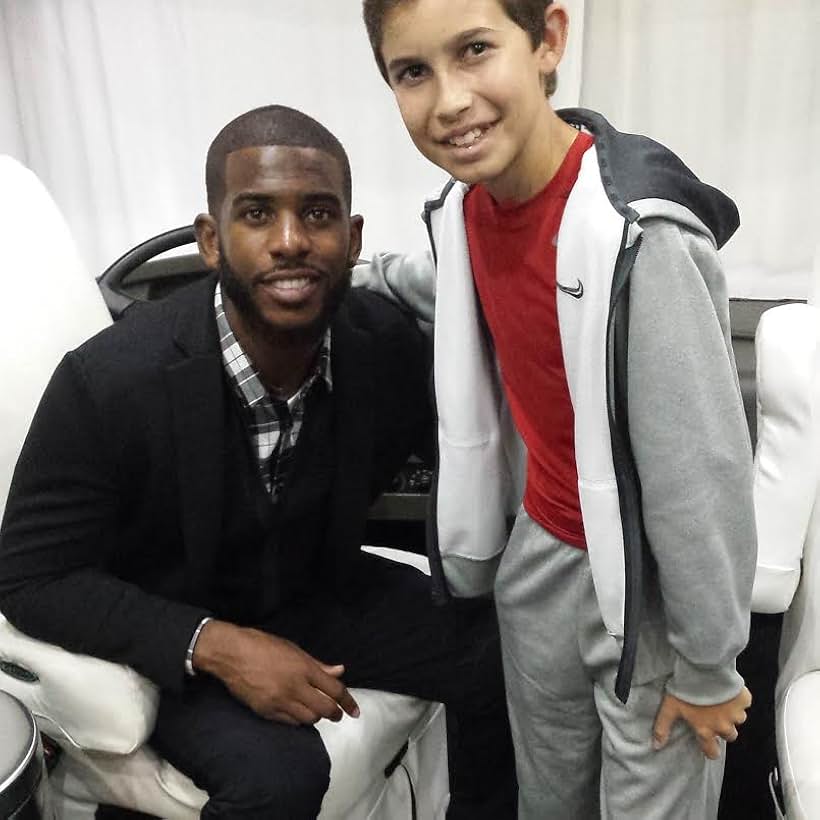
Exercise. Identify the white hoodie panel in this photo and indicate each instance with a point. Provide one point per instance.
(588, 245)
(474, 476)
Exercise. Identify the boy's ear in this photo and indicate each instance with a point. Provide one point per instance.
(556, 31)
(207, 240)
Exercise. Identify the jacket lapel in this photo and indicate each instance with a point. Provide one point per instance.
(197, 398)
(353, 390)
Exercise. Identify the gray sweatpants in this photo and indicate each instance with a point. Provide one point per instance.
(580, 752)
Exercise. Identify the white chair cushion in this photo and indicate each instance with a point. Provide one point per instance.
(799, 748)
(49, 305)
(787, 466)
(78, 700)
(361, 748)
(82, 780)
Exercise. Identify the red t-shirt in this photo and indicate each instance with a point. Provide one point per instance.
(513, 255)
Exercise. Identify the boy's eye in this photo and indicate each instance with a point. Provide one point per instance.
(476, 49)
(411, 74)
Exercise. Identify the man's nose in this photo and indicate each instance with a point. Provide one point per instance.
(288, 236)
(454, 96)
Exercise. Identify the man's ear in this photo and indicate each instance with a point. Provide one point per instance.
(355, 247)
(556, 31)
(207, 240)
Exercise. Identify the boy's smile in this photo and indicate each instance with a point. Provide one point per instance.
(470, 89)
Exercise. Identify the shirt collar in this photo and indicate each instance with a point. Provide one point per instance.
(245, 377)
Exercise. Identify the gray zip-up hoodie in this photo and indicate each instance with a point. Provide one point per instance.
(662, 450)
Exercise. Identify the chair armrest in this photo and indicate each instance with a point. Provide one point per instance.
(786, 468)
(77, 700)
(798, 747)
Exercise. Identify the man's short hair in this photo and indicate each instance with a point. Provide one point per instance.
(269, 125)
(526, 14)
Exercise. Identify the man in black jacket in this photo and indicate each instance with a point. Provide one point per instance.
(193, 491)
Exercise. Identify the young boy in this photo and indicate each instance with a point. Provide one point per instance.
(580, 309)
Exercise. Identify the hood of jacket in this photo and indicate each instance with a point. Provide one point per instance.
(643, 179)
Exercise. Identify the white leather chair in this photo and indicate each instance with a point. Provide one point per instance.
(787, 505)
(100, 713)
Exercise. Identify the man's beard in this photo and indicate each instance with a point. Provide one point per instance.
(241, 296)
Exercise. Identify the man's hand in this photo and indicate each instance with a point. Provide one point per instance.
(707, 722)
(271, 675)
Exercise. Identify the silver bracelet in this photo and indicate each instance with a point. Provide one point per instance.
(189, 654)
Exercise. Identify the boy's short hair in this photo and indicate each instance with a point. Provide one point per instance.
(526, 14)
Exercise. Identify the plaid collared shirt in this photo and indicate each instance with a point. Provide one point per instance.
(273, 424)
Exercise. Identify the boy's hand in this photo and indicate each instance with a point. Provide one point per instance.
(707, 722)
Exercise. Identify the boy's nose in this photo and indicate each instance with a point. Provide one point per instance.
(453, 99)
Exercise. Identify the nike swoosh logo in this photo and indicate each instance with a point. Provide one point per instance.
(576, 293)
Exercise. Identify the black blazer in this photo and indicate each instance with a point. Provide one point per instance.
(113, 519)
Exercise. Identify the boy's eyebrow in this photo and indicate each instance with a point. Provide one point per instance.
(471, 34)
(401, 63)
(454, 42)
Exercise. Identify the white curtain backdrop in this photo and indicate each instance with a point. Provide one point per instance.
(733, 86)
(118, 101)
(113, 104)
(11, 135)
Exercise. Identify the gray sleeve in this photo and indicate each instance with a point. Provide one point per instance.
(693, 456)
(407, 279)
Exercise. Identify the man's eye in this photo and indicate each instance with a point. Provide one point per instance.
(255, 214)
(319, 215)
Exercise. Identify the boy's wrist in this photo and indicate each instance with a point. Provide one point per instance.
(704, 685)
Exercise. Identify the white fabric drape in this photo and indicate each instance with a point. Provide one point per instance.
(733, 86)
(117, 103)
(11, 135)
(113, 105)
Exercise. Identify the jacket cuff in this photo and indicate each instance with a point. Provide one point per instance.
(704, 685)
(167, 668)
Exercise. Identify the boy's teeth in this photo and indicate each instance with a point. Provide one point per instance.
(467, 139)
